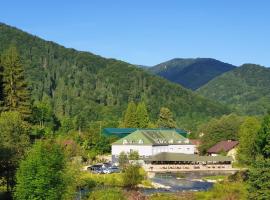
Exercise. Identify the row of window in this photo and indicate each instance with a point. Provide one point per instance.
(157, 141)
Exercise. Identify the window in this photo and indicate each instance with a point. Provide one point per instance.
(140, 141)
(125, 141)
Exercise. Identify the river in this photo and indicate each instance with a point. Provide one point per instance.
(186, 181)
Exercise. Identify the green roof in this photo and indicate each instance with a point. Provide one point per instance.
(166, 156)
(123, 132)
(153, 137)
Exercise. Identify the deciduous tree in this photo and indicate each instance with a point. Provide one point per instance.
(247, 134)
(40, 175)
(263, 139)
(14, 141)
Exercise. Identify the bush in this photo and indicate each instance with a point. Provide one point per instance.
(132, 176)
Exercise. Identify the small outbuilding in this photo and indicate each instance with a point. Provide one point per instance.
(228, 147)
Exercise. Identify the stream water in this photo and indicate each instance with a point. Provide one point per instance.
(189, 181)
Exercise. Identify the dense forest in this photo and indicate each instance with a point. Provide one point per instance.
(191, 73)
(87, 87)
(54, 102)
(245, 89)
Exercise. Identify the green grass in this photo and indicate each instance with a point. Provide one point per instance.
(215, 177)
(103, 179)
(180, 175)
(224, 191)
(173, 196)
(107, 194)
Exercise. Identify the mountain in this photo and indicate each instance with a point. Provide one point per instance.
(191, 73)
(88, 87)
(246, 89)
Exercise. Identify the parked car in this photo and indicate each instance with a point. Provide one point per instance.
(96, 169)
(112, 169)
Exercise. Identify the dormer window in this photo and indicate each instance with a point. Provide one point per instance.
(140, 141)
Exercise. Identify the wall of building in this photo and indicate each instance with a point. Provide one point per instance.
(232, 153)
(186, 149)
(143, 150)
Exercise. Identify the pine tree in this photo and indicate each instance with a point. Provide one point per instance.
(142, 115)
(16, 94)
(166, 119)
(130, 119)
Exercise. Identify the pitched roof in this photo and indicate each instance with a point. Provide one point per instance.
(166, 156)
(223, 146)
(152, 137)
(122, 132)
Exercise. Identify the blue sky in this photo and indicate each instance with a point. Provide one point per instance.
(148, 32)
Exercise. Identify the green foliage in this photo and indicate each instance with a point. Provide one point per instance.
(14, 141)
(123, 160)
(87, 88)
(245, 89)
(16, 94)
(142, 116)
(262, 141)
(91, 180)
(165, 119)
(132, 176)
(173, 196)
(105, 194)
(224, 191)
(130, 119)
(40, 175)
(248, 133)
(258, 182)
(134, 155)
(216, 130)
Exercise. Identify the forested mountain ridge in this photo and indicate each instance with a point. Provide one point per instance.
(91, 88)
(246, 89)
(191, 73)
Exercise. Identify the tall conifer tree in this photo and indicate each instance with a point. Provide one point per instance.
(130, 119)
(166, 119)
(16, 94)
(142, 116)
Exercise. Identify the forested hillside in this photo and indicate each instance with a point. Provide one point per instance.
(191, 73)
(246, 89)
(89, 88)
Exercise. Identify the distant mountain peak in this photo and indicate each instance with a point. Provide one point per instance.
(191, 73)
